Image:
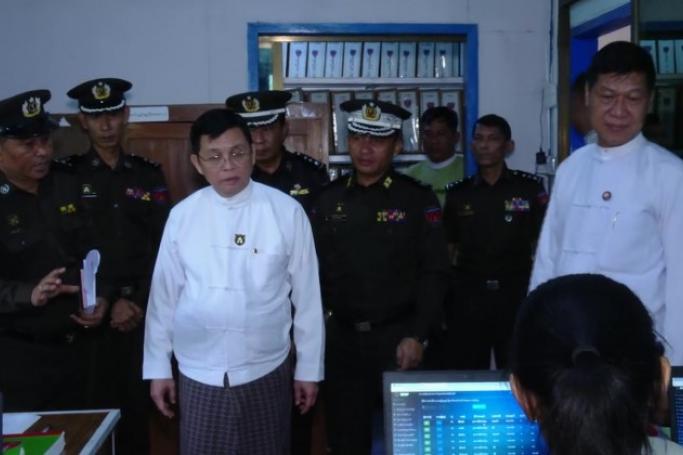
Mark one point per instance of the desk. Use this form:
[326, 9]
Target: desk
[85, 431]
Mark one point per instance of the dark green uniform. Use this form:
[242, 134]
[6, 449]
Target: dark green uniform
[128, 206]
[298, 175]
[383, 271]
[494, 229]
[43, 352]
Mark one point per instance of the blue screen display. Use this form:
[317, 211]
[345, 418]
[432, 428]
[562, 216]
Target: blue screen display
[677, 409]
[458, 420]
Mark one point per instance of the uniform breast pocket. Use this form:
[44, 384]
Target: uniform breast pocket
[268, 270]
[633, 242]
[22, 241]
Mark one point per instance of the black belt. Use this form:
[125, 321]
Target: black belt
[369, 326]
[52, 340]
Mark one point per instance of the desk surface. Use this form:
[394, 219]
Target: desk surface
[85, 431]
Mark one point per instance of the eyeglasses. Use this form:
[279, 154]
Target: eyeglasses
[236, 157]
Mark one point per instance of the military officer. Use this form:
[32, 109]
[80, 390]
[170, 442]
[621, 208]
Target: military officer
[492, 221]
[293, 173]
[43, 239]
[296, 174]
[126, 198]
[383, 268]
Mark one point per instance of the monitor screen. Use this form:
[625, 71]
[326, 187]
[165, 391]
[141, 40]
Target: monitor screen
[455, 412]
[676, 406]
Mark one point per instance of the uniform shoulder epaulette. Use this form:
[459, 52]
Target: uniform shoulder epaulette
[143, 160]
[412, 180]
[527, 175]
[458, 183]
[309, 160]
[67, 162]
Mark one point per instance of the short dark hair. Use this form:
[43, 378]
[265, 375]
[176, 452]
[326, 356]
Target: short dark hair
[622, 57]
[448, 116]
[215, 122]
[585, 347]
[579, 84]
[495, 121]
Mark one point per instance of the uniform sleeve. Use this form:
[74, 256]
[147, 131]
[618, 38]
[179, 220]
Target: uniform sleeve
[433, 268]
[167, 283]
[671, 228]
[450, 218]
[309, 332]
[548, 243]
[538, 207]
[15, 295]
[161, 205]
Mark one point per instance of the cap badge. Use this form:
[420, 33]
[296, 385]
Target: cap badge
[31, 107]
[251, 104]
[371, 112]
[240, 239]
[101, 91]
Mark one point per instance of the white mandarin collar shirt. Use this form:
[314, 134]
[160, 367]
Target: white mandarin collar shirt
[228, 272]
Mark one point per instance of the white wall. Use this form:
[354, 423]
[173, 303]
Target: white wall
[194, 51]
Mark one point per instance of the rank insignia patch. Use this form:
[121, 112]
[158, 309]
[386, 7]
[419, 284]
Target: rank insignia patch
[13, 220]
[391, 216]
[87, 190]
[433, 215]
[517, 204]
[67, 209]
[240, 239]
[4, 189]
[298, 191]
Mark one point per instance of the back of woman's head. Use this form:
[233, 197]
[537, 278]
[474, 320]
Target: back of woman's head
[584, 347]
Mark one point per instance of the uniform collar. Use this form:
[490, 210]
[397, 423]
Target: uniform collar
[95, 161]
[612, 153]
[237, 200]
[7, 187]
[284, 166]
[479, 180]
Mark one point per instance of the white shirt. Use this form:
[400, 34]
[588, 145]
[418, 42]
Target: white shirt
[619, 212]
[220, 295]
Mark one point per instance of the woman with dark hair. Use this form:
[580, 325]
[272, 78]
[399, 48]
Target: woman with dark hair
[588, 367]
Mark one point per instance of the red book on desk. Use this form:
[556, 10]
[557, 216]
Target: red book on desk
[48, 443]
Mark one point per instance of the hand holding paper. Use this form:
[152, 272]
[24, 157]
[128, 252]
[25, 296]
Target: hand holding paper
[88, 281]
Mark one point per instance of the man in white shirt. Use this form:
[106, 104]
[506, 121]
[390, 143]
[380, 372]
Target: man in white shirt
[234, 258]
[617, 205]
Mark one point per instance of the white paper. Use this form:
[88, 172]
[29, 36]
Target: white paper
[444, 60]
[389, 59]
[316, 59]
[18, 422]
[352, 51]
[665, 56]
[371, 59]
[425, 60]
[88, 280]
[333, 61]
[406, 64]
[651, 47]
[297, 59]
[148, 114]
[679, 56]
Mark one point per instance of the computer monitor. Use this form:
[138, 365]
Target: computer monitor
[676, 404]
[455, 412]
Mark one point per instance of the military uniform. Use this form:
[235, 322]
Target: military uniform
[42, 350]
[383, 269]
[127, 206]
[298, 175]
[494, 229]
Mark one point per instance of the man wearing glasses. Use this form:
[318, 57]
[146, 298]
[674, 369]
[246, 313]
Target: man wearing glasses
[294, 173]
[235, 257]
